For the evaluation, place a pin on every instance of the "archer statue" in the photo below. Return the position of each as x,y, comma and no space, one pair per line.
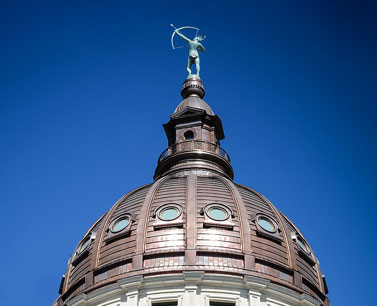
193,45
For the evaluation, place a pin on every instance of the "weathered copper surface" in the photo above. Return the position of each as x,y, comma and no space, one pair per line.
197,178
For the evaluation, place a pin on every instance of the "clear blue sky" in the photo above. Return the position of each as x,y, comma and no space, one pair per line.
86,85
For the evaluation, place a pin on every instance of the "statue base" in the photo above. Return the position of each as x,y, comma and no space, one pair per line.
193,77
193,86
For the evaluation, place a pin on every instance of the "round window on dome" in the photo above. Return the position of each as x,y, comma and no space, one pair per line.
302,244
189,135
84,245
169,213
218,213
267,224
120,224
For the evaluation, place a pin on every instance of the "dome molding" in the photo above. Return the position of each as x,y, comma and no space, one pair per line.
191,219
105,225
292,264
194,159
70,265
241,290
137,259
319,273
244,220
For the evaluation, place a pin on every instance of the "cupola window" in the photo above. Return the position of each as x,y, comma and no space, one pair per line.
217,215
266,224
168,215
301,243
266,227
120,227
83,250
84,245
189,135
120,224
303,249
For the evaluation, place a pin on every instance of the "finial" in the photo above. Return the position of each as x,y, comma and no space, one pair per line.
193,87
193,45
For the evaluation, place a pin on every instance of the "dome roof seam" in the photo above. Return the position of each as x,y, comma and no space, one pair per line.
143,222
318,270
291,264
108,220
245,230
69,271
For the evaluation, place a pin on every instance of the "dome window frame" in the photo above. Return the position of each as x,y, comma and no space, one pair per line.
191,137
211,221
161,222
303,249
126,231
262,231
82,252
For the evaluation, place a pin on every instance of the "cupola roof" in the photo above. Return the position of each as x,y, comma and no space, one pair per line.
193,93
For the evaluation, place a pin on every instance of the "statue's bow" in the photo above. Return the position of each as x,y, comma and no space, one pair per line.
172,37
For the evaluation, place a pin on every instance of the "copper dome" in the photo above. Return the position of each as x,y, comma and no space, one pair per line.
193,217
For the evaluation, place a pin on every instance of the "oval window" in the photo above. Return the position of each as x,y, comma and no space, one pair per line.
189,135
266,224
120,224
84,245
218,213
169,213
302,244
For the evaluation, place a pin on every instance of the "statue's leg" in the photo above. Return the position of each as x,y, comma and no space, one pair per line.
197,64
188,68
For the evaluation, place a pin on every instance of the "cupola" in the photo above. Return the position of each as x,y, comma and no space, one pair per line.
194,133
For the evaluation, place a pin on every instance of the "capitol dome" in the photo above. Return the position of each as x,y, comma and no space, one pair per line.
193,236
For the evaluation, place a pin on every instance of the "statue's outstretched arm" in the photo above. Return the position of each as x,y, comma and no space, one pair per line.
182,36
201,48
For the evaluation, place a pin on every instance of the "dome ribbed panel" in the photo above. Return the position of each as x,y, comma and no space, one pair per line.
213,190
173,190
303,266
132,204
263,248
123,248
215,247
78,272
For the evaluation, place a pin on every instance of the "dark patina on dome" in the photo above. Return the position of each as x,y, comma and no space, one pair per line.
193,217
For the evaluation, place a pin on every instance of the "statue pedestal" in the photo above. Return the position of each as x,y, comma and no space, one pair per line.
193,86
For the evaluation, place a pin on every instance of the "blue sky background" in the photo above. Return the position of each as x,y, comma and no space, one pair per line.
86,85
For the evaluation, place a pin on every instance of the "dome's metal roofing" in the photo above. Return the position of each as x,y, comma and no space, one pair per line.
195,102
193,93
194,179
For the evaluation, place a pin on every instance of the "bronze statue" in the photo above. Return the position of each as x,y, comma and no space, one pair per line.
193,45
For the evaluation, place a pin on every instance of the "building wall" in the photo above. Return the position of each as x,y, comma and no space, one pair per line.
193,288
